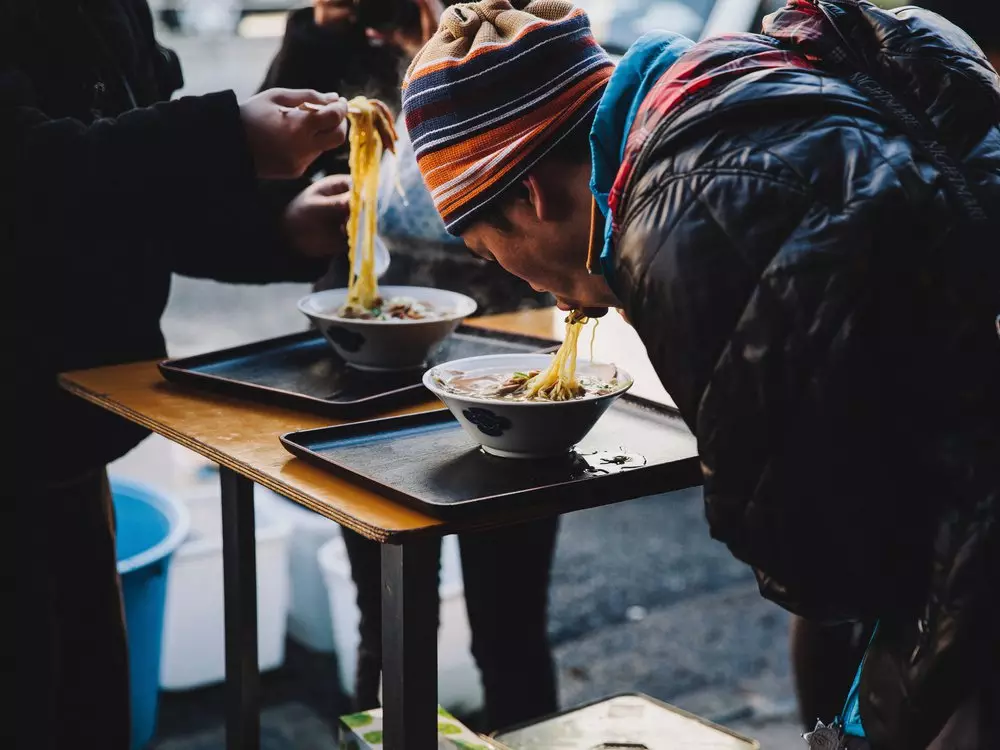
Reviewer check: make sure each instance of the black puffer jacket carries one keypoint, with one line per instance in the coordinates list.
(108, 190)
(811, 296)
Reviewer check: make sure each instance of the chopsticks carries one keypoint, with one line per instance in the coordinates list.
(309, 106)
(383, 123)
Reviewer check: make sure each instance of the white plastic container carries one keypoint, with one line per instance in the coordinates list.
(459, 687)
(309, 605)
(194, 620)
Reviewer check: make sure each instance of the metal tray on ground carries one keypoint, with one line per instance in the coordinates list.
(301, 371)
(428, 462)
(624, 720)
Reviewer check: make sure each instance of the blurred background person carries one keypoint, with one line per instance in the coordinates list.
(363, 48)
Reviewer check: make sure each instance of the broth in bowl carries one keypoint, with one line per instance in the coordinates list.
(601, 380)
(393, 308)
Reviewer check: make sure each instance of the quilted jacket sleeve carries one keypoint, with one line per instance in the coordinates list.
(178, 176)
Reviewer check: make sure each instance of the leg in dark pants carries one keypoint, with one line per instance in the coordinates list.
(72, 657)
(506, 575)
(366, 571)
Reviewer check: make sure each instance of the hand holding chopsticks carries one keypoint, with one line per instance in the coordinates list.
(383, 118)
(283, 145)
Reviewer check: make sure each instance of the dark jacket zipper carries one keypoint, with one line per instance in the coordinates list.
(100, 87)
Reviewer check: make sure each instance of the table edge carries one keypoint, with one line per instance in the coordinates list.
(377, 534)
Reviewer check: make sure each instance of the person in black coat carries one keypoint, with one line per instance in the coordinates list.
(109, 188)
(802, 227)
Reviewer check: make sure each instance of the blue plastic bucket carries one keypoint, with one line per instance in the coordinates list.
(150, 527)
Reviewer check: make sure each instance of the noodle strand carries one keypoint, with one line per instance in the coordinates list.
(369, 120)
(558, 382)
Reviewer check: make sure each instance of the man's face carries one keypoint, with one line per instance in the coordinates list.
(546, 239)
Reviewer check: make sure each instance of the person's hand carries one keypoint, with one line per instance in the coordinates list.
(284, 139)
(328, 13)
(315, 221)
(411, 41)
(430, 18)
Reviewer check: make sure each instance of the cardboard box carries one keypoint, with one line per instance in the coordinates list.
(363, 731)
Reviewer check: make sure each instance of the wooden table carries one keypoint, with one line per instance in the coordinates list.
(242, 438)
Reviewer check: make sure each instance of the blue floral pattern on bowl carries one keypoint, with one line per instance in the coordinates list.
(349, 341)
(488, 423)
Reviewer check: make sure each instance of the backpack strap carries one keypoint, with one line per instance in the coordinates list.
(923, 133)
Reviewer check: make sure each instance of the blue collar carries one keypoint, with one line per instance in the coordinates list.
(636, 73)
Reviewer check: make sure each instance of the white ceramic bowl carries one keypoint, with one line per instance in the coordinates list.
(521, 429)
(386, 344)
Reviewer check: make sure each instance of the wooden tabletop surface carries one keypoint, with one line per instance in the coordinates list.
(243, 435)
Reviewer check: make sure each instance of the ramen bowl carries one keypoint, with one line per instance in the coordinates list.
(387, 344)
(522, 429)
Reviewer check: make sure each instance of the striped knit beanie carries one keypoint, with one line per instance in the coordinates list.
(498, 85)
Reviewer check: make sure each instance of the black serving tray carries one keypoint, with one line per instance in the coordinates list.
(429, 462)
(301, 371)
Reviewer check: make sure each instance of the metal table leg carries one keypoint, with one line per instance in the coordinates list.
(239, 561)
(409, 645)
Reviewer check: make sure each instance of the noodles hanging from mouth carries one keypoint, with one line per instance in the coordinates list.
(558, 382)
(371, 132)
